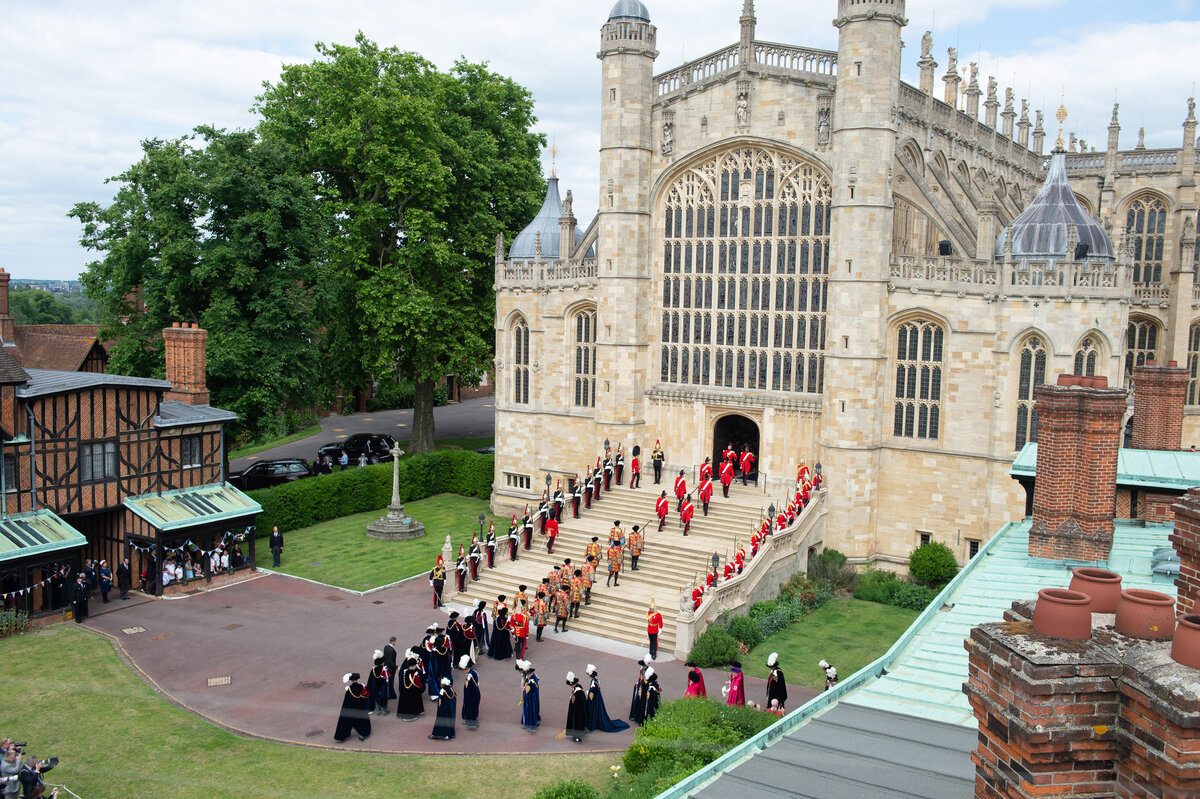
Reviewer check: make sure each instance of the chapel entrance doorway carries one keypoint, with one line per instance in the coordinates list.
(742, 433)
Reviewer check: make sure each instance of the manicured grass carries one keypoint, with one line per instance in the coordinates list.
(458, 443)
(338, 551)
(847, 632)
(115, 737)
(279, 442)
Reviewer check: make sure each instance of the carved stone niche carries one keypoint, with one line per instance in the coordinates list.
(824, 121)
(742, 110)
(666, 143)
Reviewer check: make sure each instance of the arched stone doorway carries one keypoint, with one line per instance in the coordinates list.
(739, 431)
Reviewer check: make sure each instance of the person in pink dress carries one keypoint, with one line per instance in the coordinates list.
(695, 685)
(735, 694)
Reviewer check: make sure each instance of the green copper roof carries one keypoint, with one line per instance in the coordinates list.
(191, 507)
(36, 532)
(1137, 468)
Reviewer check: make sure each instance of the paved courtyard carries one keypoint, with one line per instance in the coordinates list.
(275, 649)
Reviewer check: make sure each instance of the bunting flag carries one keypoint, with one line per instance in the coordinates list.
(26, 590)
(226, 539)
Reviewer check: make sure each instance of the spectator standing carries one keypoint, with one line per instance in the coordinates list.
(276, 546)
(106, 580)
(80, 598)
(362, 459)
(344, 460)
(10, 769)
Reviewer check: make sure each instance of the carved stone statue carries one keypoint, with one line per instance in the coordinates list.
(823, 126)
(991, 94)
(1116, 106)
(668, 139)
(1025, 110)
(1188, 228)
(974, 74)
(926, 44)
(1191, 107)
(1008, 99)
(952, 67)
(743, 111)
(568, 203)
(1039, 120)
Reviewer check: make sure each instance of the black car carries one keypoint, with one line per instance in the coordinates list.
(265, 474)
(377, 446)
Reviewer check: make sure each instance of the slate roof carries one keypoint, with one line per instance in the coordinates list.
(172, 413)
(1136, 468)
(524, 246)
(629, 9)
(63, 347)
(11, 372)
(1041, 229)
(43, 382)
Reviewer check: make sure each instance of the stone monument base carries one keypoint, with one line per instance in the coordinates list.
(395, 526)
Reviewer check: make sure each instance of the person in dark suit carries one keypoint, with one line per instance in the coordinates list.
(389, 660)
(80, 597)
(276, 545)
(124, 578)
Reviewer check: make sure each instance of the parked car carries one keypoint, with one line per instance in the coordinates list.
(378, 447)
(265, 474)
(486, 450)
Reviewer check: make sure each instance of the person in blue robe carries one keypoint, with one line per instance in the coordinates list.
(447, 701)
(355, 716)
(531, 705)
(470, 693)
(501, 648)
(598, 719)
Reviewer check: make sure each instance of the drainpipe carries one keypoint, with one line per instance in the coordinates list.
(32, 448)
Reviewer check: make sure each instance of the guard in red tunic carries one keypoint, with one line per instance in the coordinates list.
(747, 462)
(697, 596)
(654, 625)
(593, 549)
(726, 477)
(801, 472)
(514, 539)
(706, 492)
(518, 622)
(635, 547)
(527, 529)
(686, 513)
(635, 470)
(728, 575)
(661, 506)
(781, 521)
(491, 545)
(460, 569)
(680, 489)
(551, 534)
(706, 469)
(475, 556)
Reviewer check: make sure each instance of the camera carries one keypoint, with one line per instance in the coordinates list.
(48, 764)
(20, 744)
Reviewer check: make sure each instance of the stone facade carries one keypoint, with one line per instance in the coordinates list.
(777, 224)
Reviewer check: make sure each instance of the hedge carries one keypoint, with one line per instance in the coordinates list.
(568, 789)
(932, 564)
(877, 585)
(302, 503)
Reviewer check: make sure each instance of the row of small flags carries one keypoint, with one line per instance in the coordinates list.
(24, 591)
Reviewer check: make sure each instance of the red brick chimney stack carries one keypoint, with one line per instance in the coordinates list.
(1074, 499)
(185, 345)
(1186, 539)
(8, 328)
(1159, 393)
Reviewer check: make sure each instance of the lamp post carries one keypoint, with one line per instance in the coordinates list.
(481, 519)
(606, 445)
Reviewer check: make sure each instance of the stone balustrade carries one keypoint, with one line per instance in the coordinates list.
(544, 274)
(1009, 278)
(767, 56)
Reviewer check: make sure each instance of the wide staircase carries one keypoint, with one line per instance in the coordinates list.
(669, 562)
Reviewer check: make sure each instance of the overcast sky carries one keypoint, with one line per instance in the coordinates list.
(85, 82)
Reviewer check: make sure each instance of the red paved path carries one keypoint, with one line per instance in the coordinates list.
(285, 644)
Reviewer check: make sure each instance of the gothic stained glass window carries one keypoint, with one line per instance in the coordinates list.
(756, 213)
(1141, 343)
(1146, 224)
(1193, 364)
(1032, 375)
(520, 339)
(1085, 358)
(917, 410)
(585, 359)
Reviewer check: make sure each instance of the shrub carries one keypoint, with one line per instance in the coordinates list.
(913, 596)
(803, 590)
(657, 777)
(747, 630)
(568, 789)
(714, 647)
(694, 729)
(932, 564)
(829, 569)
(317, 499)
(14, 622)
(876, 585)
(762, 608)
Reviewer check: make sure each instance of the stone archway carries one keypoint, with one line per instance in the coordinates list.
(739, 431)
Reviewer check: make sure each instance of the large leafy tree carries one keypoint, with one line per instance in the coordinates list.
(223, 229)
(420, 170)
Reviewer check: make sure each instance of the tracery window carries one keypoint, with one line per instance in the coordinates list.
(1193, 363)
(520, 339)
(585, 359)
(918, 398)
(745, 259)
(1141, 343)
(1146, 224)
(1196, 251)
(1085, 358)
(1032, 375)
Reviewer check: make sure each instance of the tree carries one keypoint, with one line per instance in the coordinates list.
(932, 564)
(420, 171)
(37, 307)
(219, 228)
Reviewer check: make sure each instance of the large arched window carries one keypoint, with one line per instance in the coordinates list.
(1085, 357)
(745, 259)
(1032, 375)
(1146, 224)
(918, 399)
(1141, 343)
(1193, 363)
(1196, 251)
(585, 359)
(520, 344)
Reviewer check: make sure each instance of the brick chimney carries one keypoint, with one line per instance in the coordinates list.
(185, 344)
(1158, 396)
(1112, 716)
(1074, 497)
(8, 328)
(1186, 539)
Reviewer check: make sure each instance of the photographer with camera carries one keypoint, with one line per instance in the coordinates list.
(10, 768)
(31, 777)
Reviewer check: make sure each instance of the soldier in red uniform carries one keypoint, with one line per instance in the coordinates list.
(729, 455)
(615, 556)
(654, 625)
(747, 462)
(706, 469)
(686, 513)
(589, 578)
(587, 489)
(619, 465)
(514, 539)
(562, 606)
(518, 622)
(697, 596)
(680, 489)
(551, 534)
(635, 472)
(576, 585)
(475, 556)
(593, 549)
(540, 611)
(576, 497)
(726, 477)
(706, 492)
(801, 472)
(661, 506)
(635, 548)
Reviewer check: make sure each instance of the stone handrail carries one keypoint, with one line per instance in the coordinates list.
(772, 55)
(1089, 162)
(795, 59)
(1149, 158)
(1154, 292)
(707, 66)
(549, 274)
(737, 594)
(943, 269)
(970, 276)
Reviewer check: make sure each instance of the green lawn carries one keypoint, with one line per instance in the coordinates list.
(279, 442)
(847, 632)
(115, 737)
(338, 551)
